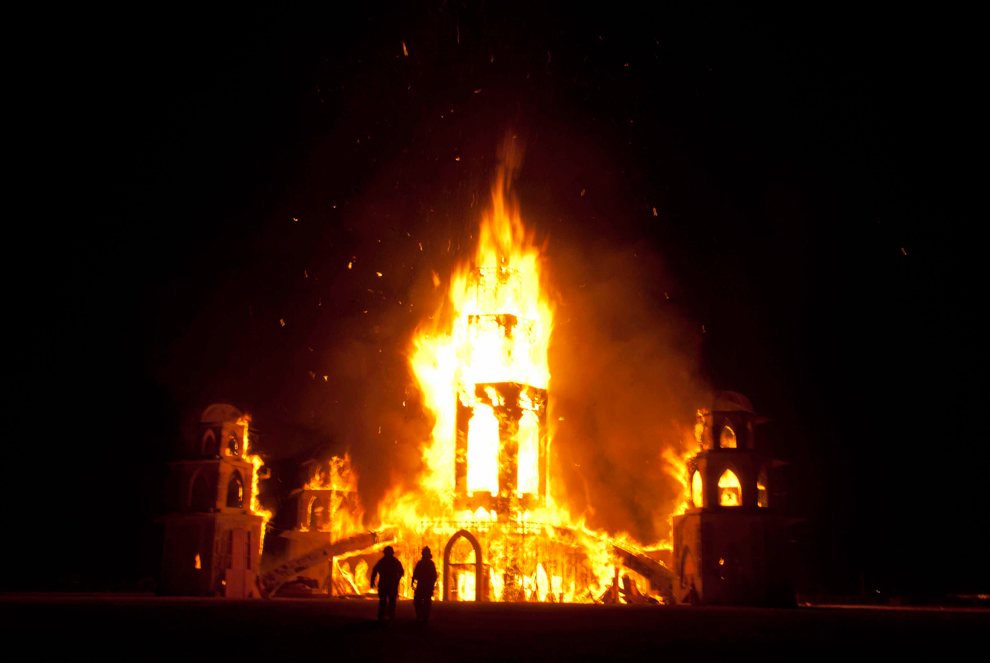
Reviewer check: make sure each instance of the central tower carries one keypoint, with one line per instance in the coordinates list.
(500, 446)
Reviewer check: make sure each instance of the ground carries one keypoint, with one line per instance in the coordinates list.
(182, 629)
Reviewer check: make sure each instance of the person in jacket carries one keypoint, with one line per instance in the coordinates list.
(425, 579)
(389, 572)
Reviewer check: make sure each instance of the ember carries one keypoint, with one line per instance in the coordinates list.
(484, 499)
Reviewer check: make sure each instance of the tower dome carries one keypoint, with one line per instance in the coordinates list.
(220, 413)
(731, 401)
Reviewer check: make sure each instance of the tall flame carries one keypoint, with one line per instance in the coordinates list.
(256, 463)
(503, 279)
(482, 366)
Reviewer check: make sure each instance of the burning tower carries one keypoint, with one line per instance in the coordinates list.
(727, 546)
(214, 532)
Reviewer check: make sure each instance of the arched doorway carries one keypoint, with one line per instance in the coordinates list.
(478, 564)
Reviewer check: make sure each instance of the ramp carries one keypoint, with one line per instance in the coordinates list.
(661, 578)
(273, 579)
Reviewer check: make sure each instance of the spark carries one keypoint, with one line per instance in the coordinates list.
(654, 211)
(379, 274)
(282, 320)
(405, 51)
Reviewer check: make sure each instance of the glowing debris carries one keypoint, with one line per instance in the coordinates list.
(654, 211)
(282, 320)
(405, 51)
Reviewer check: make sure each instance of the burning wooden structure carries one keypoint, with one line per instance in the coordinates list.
(728, 545)
(485, 496)
(214, 531)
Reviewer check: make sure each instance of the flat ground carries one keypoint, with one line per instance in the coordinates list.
(100, 628)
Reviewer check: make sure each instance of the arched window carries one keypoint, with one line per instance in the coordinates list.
(233, 446)
(727, 440)
(209, 445)
(482, 451)
(761, 490)
(316, 511)
(729, 491)
(235, 491)
(697, 497)
(201, 496)
(687, 567)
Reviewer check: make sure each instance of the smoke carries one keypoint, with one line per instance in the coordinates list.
(623, 389)
(623, 360)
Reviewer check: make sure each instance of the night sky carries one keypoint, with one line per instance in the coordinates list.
(219, 172)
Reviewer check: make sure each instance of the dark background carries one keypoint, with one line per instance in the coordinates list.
(807, 167)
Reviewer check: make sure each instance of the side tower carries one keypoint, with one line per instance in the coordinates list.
(212, 537)
(728, 546)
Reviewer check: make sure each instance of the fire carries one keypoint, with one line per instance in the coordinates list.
(502, 320)
(336, 475)
(256, 463)
(484, 495)
(340, 513)
(729, 490)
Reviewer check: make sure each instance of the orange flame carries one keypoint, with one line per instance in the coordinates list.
(256, 463)
(493, 330)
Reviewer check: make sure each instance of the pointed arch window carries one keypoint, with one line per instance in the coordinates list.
(727, 440)
(235, 491)
(697, 497)
(209, 444)
(317, 514)
(201, 495)
(233, 446)
(729, 490)
(761, 490)
(687, 567)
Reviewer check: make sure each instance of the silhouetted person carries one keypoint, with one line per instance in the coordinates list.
(425, 579)
(389, 572)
